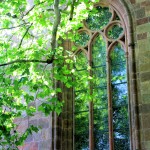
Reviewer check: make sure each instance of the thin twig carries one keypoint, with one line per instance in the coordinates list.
(29, 10)
(24, 36)
(72, 10)
(14, 27)
(33, 8)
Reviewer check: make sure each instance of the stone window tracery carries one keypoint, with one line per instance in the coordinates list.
(102, 120)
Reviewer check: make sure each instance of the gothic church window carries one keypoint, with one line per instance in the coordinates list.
(101, 119)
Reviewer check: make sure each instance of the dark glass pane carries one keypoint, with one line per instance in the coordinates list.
(117, 56)
(99, 75)
(98, 18)
(82, 73)
(119, 94)
(81, 109)
(101, 129)
(99, 52)
(82, 39)
(81, 61)
(118, 65)
(100, 98)
(100, 119)
(81, 131)
(119, 76)
(114, 32)
(81, 102)
(120, 99)
(81, 80)
(100, 94)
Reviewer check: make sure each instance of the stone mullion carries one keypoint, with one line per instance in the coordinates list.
(110, 108)
(129, 103)
(67, 113)
(91, 126)
(91, 112)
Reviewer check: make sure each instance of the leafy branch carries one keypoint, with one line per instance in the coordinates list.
(19, 83)
(55, 26)
(33, 8)
(24, 36)
(48, 61)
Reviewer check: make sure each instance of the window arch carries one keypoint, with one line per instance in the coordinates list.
(102, 47)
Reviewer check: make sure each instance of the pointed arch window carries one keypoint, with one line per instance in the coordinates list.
(101, 103)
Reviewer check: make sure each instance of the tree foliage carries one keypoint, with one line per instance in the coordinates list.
(33, 59)
(31, 33)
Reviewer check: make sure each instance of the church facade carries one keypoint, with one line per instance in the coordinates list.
(123, 86)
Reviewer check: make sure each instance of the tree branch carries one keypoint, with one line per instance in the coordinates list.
(48, 61)
(33, 8)
(55, 26)
(24, 35)
(72, 10)
(29, 10)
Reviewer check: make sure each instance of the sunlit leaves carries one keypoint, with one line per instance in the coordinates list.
(52, 104)
(82, 39)
(26, 31)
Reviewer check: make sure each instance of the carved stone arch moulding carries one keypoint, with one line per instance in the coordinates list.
(120, 21)
(122, 7)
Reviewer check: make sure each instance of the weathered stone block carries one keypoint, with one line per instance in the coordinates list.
(132, 1)
(147, 135)
(29, 146)
(146, 99)
(145, 108)
(46, 134)
(143, 46)
(43, 123)
(33, 122)
(142, 36)
(143, 28)
(29, 138)
(45, 145)
(140, 13)
(42, 135)
(37, 136)
(23, 125)
(146, 121)
(145, 76)
(144, 67)
(146, 145)
(143, 21)
(145, 3)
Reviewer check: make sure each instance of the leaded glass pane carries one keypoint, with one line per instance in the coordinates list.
(98, 18)
(120, 99)
(82, 39)
(81, 111)
(114, 31)
(81, 131)
(81, 73)
(81, 61)
(100, 98)
(100, 94)
(99, 52)
(101, 129)
(119, 53)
